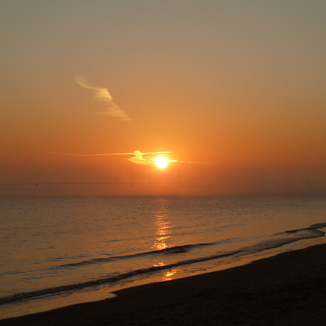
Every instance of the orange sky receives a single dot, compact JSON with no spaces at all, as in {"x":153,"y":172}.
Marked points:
{"x":238,"y":86}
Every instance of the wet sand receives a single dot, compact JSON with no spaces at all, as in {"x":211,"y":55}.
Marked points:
{"x":287,"y":289}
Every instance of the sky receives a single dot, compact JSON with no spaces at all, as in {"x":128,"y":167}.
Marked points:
{"x":233,"y":91}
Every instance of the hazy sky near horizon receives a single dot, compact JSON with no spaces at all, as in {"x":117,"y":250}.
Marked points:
{"x":236,"y":85}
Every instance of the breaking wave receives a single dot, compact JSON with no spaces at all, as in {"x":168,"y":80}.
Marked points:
{"x":165,"y":251}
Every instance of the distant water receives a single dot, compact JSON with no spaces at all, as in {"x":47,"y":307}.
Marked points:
{"x":60,"y":251}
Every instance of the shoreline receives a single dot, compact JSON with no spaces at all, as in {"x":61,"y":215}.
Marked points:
{"x":285,"y":289}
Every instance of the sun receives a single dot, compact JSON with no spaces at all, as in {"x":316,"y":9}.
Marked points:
{"x":161,"y":162}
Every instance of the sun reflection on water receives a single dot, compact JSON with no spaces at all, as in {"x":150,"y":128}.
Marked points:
{"x":168,"y":275}
{"x":163,"y":226}
{"x":163,"y":232}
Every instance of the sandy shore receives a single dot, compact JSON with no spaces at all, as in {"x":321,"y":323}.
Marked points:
{"x":287,"y":289}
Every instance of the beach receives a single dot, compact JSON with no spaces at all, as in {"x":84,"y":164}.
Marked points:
{"x":286,"y":289}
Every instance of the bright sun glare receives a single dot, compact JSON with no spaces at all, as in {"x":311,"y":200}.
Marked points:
{"x":161,"y":162}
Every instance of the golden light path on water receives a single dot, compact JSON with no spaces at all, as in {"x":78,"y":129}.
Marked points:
{"x":163,"y":225}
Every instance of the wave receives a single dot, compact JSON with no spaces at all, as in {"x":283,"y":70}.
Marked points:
{"x":165,"y":251}
{"x":276,"y":240}
{"x":314,"y":228}
{"x":112,"y":279}
{"x":318,"y":225}
{"x":286,"y":237}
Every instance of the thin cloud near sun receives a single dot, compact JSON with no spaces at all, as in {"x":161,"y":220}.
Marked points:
{"x":137,"y":157}
{"x":102,"y":95}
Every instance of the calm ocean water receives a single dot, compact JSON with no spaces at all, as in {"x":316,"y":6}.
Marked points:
{"x":60,"y":251}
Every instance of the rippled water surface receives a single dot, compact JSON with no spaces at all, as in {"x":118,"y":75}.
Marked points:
{"x":57,"y":251}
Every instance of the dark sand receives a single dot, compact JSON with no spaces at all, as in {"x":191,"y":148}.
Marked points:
{"x":287,"y":289}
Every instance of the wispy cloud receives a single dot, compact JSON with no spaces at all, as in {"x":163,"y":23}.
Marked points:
{"x":103,"y":96}
{"x":137,"y":157}
{"x":189,"y":162}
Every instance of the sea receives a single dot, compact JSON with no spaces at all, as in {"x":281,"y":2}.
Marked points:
{"x":58,"y":251}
